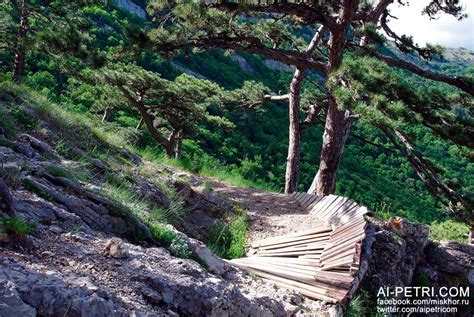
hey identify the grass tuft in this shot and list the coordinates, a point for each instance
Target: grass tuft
(17, 226)
(33, 187)
(169, 240)
(228, 241)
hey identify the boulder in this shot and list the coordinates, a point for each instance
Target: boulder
(214, 264)
(130, 156)
(116, 248)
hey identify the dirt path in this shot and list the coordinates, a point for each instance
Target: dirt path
(270, 214)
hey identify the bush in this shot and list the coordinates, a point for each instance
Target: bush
(449, 230)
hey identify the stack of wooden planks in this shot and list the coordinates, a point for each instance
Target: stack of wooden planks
(333, 210)
(319, 263)
(342, 253)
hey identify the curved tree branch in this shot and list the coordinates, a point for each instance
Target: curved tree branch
(252, 45)
(458, 82)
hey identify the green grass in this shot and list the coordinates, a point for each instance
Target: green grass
(6, 143)
(228, 241)
(22, 117)
(17, 226)
(169, 240)
(59, 171)
(362, 305)
(5, 119)
(449, 230)
(205, 166)
(33, 187)
(121, 191)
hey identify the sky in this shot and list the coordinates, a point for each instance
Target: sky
(446, 31)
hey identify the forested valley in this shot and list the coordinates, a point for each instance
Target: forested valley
(272, 97)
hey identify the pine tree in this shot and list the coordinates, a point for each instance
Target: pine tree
(271, 29)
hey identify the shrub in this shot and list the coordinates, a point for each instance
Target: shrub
(58, 171)
(449, 230)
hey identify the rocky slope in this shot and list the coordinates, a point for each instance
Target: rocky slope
(64, 268)
(94, 253)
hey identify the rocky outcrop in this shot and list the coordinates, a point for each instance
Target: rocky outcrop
(402, 255)
(131, 7)
(448, 263)
(243, 64)
(398, 244)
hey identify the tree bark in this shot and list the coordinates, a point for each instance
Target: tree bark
(338, 122)
(337, 128)
(19, 56)
(294, 145)
(295, 127)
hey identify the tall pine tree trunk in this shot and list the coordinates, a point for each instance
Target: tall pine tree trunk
(338, 122)
(336, 130)
(294, 146)
(19, 58)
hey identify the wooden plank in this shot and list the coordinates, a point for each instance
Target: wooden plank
(343, 203)
(322, 238)
(307, 197)
(290, 237)
(290, 253)
(327, 202)
(281, 259)
(311, 206)
(319, 205)
(309, 201)
(348, 234)
(348, 226)
(335, 257)
(307, 247)
(309, 271)
(330, 209)
(326, 212)
(348, 215)
(335, 245)
(348, 260)
(286, 278)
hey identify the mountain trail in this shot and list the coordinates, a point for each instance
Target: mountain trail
(270, 214)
